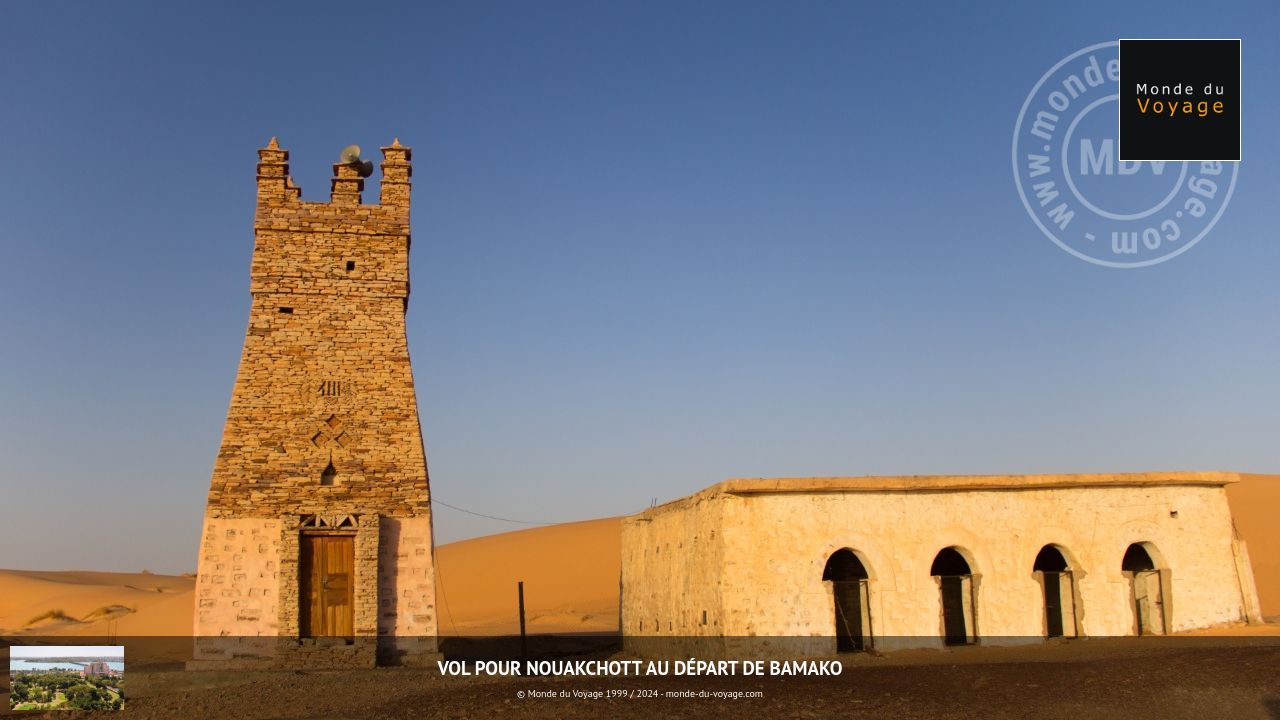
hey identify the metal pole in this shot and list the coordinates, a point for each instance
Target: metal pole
(524, 646)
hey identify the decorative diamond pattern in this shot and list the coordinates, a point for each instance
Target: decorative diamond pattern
(331, 432)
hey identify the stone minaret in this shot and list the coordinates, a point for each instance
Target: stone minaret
(317, 545)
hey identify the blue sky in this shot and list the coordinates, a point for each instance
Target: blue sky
(34, 652)
(656, 245)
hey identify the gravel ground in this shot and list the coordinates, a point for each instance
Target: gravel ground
(1117, 678)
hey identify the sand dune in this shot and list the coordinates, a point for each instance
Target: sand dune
(94, 603)
(570, 575)
(1255, 505)
(570, 571)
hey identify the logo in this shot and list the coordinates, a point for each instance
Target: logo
(1180, 100)
(1107, 211)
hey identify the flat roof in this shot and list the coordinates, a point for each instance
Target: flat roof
(926, 483)
(947, 483)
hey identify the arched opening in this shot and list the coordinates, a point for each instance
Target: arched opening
(955, 584)
(851, 592)
(329, 475)
(1149, 589)
(1056, 577)
(1137, 559)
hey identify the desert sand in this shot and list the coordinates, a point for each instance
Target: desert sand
(571, 574)
(94, 603)
(1255, 505)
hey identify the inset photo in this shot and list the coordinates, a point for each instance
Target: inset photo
(66, 677)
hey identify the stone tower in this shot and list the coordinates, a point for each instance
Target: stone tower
(317, 544)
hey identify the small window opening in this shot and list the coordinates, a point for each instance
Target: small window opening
(351, 265)
(327, 477)
(286, 310)
(704, 617)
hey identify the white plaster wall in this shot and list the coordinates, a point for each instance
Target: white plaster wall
(237, 584)
(406, 591)
(671, 570)
(775, 547)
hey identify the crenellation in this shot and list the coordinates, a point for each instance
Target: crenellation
(397, 170)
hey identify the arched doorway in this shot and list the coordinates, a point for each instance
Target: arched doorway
(1149, 588)
(955, 584)
(1056, 577)
(850, 590)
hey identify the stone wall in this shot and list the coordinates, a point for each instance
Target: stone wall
(407, 618)
(773, 547)
(325, 376)
(673, 571)
(322, 425)
(237, 587)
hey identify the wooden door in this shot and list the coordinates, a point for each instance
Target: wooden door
(970, 622)
(956, 613)
(1148, 602)
(1068, 605)
(864, 606)
(1052, 603)
(849, 614)
(328, 586)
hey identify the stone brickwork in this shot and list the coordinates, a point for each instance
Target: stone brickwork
(238, 583)
(406, 606)
(322, 426)
(745, 558)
